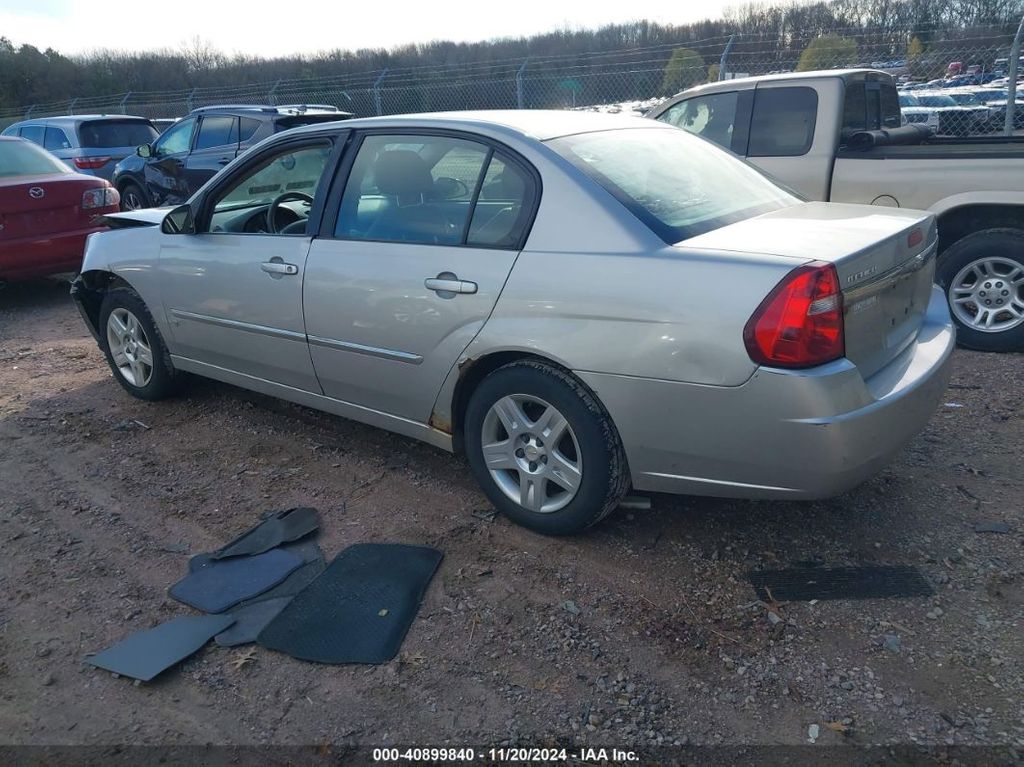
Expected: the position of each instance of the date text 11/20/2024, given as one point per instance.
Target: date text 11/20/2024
(504, 754)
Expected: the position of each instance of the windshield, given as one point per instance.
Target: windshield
(109, 134)
(906, 100)
(23, 158)
(679, 185)
(936, 101)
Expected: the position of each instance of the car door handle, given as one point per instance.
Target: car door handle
(278, 267)
(446, 282)
(223, 160)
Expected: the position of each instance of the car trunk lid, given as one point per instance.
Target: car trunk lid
(39, 205)
(884, 258)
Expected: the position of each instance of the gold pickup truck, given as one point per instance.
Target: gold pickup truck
(837, 136)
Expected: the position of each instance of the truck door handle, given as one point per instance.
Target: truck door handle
(276, 268)
(448, 285)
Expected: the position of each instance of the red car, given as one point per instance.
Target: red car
(46, 211)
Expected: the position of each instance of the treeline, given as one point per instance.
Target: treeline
(768, 37)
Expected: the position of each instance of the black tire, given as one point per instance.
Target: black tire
(162, 380)
(130, 190)
(1004, 244)
(605, 474)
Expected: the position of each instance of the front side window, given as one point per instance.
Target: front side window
(782, 124)
(412, 189)
(276, 196)
(176, 139)
(674, 183)
(712, 117)
(55, 138)
(217, 131)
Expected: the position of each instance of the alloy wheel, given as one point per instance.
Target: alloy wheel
(129, 347)
(532, 453)
(988, 295)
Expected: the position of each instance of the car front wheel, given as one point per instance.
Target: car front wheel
(543, 449)
(133, 346)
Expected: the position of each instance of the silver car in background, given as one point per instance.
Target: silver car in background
(581, 303)
(90, 144)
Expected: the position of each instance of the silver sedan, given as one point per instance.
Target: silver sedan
(581, 303)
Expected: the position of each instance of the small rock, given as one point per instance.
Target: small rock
(571, 607)
(892, 643)
(48, 680)
(934, 614)
(773, 618)
(43, 652)
(991, 527)
(812, 733)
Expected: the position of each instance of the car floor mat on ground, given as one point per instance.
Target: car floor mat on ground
(279, 527)
(253, 615)
(360, 609)
(308, 551)
(145, 654)
(802, 584)
(222, 584)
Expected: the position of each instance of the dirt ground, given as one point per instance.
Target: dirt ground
(642, 632)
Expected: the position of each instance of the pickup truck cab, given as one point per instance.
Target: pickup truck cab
(836, 136)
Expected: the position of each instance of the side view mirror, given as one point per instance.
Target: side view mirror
(146, 150)
(179, 221)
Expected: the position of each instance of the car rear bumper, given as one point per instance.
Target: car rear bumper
(37, 256)
(784, 433)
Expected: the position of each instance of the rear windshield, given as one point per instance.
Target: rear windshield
(23, 158)
(109, 134)
(677, 184)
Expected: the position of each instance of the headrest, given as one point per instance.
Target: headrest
(402, 172)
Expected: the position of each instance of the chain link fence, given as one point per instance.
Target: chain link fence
(954, 82)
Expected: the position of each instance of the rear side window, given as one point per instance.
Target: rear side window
(33, 133)
(110, 134)
(782, 124)
(217, 131)
(503, 206)
(55, 138)
(712, 117)
(873, 105)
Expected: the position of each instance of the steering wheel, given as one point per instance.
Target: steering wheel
(276, 203)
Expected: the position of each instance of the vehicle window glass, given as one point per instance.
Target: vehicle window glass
(855, 108)
(891, 116)
(290, 177)
(249, 128)
(411, 189)
(33, 133)
(217, 131)
(782, 124)
(109, 134)
(674, 183)
(176, 139)
(503, 206)
(55, 138)
(20, 158)
(711, 117)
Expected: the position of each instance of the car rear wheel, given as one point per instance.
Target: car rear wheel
(543, 449)
(133, 198)
(983, 276)
(133, 346)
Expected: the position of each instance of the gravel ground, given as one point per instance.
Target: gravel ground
(642, 632)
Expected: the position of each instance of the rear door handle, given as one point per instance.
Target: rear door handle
(277, 268)
(448, 285)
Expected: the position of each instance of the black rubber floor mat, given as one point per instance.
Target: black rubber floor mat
(222, 584)
(145, 654)
(253, 615)
(802, 584)
(250, 620)
(360, 609)
(308, 551)
(280, 527)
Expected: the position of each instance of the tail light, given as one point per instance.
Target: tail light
(102, 197)
(800, 323)
(91, 163)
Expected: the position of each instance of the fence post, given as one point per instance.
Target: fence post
(724, 61)
(190, 99)
(28, 114)
(1011, 89)
(376, 91)
(124, 103)
(272, 96)
(71, 105)
(519, 84)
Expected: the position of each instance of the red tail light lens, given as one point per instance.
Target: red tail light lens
(90, 163)
(800, 323)
(102, 197)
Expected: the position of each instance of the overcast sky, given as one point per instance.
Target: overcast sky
(309, 26)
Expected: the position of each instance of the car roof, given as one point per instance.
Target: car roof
(75, 119)
(540, 124)
(843, 74)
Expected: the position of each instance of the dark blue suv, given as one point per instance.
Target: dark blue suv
(191, 151)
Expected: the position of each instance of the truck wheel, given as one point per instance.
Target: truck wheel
(983, 276)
